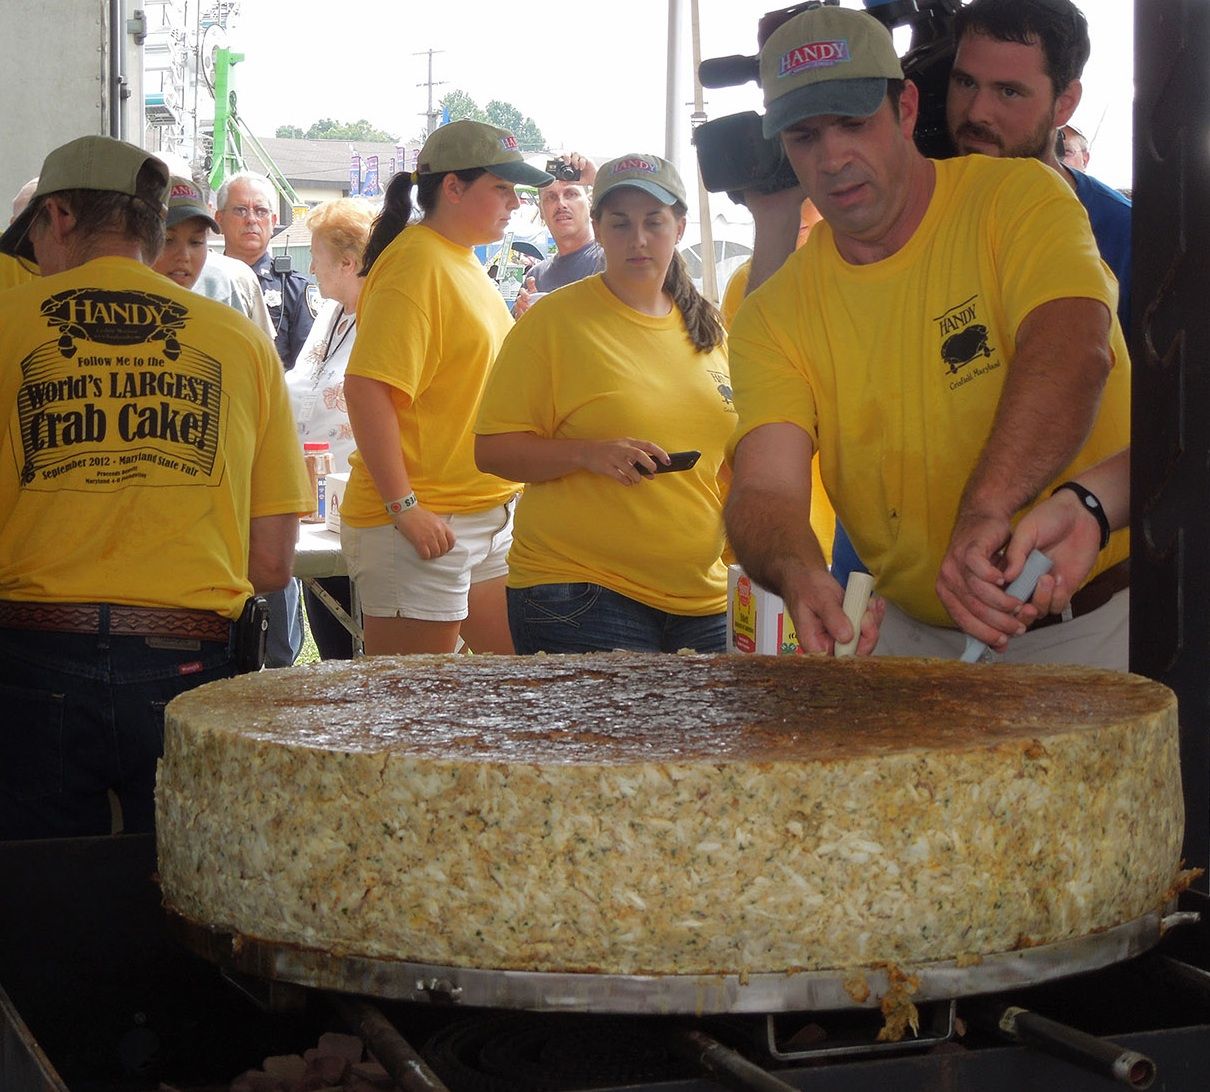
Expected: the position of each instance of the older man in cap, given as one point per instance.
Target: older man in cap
(946, 340)
(150, 485)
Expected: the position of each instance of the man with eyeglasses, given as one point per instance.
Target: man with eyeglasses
(246, 204)
(246, 214)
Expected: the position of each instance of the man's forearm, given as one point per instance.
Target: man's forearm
(1047, 408)
(772, 538)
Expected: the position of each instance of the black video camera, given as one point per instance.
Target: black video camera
(562, 170)
(735, 155)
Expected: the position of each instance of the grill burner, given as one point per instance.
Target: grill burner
(112, 967)
(551, 1053)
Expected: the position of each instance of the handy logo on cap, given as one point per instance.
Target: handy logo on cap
(814, 55)
(635, 164)
(183, 189)
(508, 142)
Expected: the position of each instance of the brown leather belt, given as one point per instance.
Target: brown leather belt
(1096, 593)
(189, 625)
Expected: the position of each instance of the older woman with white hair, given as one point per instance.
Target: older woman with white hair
(339, 230)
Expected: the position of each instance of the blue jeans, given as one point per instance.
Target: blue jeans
(284, 639)
(84, 714)
(590, 618)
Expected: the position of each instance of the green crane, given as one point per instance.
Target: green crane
(230, 131)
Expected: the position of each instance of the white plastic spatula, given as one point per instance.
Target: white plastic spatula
(1037, 565)
(856, 599)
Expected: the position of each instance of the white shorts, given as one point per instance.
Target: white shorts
(394, 582)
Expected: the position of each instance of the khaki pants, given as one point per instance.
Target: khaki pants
(1100, 638)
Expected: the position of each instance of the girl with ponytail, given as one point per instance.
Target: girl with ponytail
(597, 386)
(425, 533)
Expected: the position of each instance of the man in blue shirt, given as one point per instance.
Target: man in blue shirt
(1015, 83)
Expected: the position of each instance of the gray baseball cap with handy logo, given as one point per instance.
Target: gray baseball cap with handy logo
(825, 60)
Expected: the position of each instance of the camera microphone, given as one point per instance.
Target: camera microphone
(728, 71)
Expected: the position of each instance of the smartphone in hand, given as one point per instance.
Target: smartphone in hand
(680, 460)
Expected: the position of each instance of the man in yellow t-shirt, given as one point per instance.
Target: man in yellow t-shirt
(13, 271)
(946, 341)
(823, 515)
(150, 484)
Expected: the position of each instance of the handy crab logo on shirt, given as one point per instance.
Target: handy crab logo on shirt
(114, 318)
(963, 339)
(811, 55)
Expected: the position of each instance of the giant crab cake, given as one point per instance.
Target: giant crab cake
(669, 814)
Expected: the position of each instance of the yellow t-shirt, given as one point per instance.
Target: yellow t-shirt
(823, 515)
(583, 365)
(895, 368)
(14, 271)
(146, 427)
(429, 325)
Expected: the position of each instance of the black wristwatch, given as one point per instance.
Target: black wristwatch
(1092, 502)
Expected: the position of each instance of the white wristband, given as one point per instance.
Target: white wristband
(401, 505)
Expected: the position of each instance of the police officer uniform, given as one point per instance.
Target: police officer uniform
(289, 305)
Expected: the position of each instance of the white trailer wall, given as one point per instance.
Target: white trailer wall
(56, 81)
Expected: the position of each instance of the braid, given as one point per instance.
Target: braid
(396, 211)
(702, 321)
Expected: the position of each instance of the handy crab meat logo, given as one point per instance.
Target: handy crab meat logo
(813, 55)
(508, 143)
(635, 164)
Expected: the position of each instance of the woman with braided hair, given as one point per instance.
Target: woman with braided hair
(596, 387)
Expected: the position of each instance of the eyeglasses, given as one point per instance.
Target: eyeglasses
(243, 212)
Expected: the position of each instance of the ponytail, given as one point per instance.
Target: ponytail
(702, 320)
(396, 212)
(397, 208)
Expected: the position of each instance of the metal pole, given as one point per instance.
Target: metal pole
(706, 246)
(117, 68)
(672, 106)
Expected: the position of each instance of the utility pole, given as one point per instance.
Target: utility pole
(430, 114)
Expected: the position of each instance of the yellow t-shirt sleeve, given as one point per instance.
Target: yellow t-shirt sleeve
(395, 341)
(518, 396)
(770, 385)
(1038, 206)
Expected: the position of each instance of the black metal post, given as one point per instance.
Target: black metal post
(1170, 351)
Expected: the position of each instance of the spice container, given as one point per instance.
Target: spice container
(319, 465)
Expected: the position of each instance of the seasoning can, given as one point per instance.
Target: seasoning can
(319, 462)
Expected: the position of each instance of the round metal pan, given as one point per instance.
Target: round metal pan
(542, 991)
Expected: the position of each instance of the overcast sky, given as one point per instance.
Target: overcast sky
(593, 75)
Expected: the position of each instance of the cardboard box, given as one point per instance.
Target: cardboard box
(757, 621)
(334, 487)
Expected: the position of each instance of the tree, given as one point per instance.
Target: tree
(459, 105)
(292, 132)
(504, 115)
(525, 129)
(361, 129)
(530, 137)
